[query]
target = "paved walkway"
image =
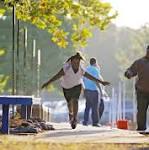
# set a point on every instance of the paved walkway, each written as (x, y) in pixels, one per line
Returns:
(87, 134)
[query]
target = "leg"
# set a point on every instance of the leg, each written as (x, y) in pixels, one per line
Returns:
(75, 94)
(75, 108)
(101, 108)
(69, 103)
(70, 109)
(86, 113)
(87, 108)
(72, 96)
(95, 111)
(5, 119)
(142, 106)
(75, 112)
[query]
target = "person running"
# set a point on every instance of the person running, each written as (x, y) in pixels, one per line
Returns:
(71, 74)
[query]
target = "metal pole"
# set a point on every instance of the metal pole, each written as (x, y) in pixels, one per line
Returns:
(13, 55)
(113, 107)
(33, 65)
(17, 59)
(24, 107)
(119, 106)
(38, 72)
(24, 63)
(124, 100)
(13, 50)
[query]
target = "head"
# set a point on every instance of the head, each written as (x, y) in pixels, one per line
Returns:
(92, 61)
(75, 60)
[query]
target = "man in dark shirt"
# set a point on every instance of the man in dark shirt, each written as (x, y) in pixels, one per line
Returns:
(140, 68)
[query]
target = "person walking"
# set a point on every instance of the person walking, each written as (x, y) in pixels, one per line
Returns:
(91, 93)
(71, 74)
(140, 68)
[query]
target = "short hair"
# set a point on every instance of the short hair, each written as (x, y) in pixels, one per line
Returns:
(92, 61)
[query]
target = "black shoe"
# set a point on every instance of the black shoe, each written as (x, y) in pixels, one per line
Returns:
(141, 131)
(96, 125)
(74, 124)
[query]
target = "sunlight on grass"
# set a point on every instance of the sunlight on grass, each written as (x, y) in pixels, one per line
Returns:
(7, 143)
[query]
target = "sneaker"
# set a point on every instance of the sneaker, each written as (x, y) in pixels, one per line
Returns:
(96, 125)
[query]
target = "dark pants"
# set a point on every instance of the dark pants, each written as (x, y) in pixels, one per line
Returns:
(72, 93)
(142, 105)
(101, 108)
(72, 96)
(91, 103)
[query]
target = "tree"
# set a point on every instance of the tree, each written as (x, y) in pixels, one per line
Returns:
(67, 22)
(50, 15)
(134, 49)
(137, 39)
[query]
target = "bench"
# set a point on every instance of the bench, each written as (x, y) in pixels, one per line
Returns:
(7, 100)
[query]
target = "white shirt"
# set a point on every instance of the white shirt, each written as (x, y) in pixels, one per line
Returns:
(70, 78)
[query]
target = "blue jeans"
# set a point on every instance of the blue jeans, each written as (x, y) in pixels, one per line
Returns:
(91, 104)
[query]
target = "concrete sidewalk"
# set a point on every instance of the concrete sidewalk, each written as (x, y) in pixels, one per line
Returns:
(87, 134)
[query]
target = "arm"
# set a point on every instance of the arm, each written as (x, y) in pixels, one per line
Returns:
(100, 77)
(100, 88)
(87, 75)
(57, 76)
(132, 71)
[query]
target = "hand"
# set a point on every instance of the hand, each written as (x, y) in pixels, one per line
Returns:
(105, 83)
(127, 74)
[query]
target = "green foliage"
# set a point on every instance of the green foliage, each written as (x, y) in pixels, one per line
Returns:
(51, 15)
(3, 78)
(3, 82)
(52, 57)
(67, 22)
(2, 52)
(79, 37)
(2, 11)
(115, 49)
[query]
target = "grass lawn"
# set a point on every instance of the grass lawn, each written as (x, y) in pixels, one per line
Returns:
(13, 144)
